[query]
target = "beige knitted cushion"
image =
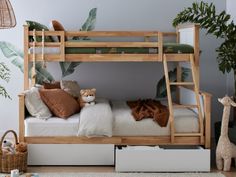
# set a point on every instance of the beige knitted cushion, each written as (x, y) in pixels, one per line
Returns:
(71, 87)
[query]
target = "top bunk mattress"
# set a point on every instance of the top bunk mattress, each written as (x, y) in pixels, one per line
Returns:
(167, 48)
(124, 124)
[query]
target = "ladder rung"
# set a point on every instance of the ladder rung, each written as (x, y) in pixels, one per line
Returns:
(187, 134)
(181, 83)
(185, 106)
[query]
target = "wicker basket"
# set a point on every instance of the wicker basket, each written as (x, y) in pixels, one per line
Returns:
(9, 162)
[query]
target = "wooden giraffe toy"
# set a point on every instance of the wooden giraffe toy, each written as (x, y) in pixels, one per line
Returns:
(225, 150)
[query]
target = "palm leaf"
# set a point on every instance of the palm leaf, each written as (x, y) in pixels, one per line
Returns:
(161, 91)
(68, 68)
(89, 24)
(42, 75)
(13, 54)
(16, 57)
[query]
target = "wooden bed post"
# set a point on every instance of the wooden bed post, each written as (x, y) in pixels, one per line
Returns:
(196, 52)
(26, 57)
(21, 117)
(207, 111)
(160, 45)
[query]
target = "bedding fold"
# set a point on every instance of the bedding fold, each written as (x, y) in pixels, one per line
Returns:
(96, 120)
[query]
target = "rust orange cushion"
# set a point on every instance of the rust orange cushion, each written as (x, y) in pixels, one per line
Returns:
(60, 103)
(57, 26)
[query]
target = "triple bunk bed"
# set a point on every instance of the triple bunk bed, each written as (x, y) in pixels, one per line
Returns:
(152, 48)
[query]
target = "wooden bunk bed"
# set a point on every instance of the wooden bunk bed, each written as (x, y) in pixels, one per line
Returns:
(184, 34)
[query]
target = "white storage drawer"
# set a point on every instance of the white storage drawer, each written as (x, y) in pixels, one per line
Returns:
(71, 154)
(155, 159)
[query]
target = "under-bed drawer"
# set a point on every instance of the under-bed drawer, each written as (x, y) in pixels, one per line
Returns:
(71, 154)
(153, 159)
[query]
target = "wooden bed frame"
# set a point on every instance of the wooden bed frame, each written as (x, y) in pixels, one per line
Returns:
(201, 138)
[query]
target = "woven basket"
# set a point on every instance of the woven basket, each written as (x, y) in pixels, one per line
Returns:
(10, 162)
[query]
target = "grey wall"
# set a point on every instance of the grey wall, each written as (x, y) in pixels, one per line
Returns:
(112, 80)
(231, 4)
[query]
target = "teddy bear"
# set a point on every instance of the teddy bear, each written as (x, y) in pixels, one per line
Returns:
(21, 147)
(87, 97)
(8, 147)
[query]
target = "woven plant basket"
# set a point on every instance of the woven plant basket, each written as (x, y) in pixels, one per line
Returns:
(10, 162)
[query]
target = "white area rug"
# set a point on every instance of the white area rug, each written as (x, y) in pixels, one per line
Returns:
(130, 175)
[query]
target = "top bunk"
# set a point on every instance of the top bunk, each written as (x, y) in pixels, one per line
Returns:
(111, 46)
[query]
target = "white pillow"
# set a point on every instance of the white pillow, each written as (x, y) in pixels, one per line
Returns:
(96, 120)
(35, 105)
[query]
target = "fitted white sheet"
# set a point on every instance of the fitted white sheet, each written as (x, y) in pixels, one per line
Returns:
(52, 127)
(124, 124)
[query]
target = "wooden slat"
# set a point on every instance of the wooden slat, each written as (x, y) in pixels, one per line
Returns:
(72, 140)
(117, 140)
(99, 57)
(190, 25)
(62, 47)
(111, 33)
(26, 59)
(196, 53)
(196, 90)
(181, 83)
(177, 57)
(170, 103)
(160, 48)
(188, 141)
(111, 44)
(169, 34)
(21, 116)
(207, 114)
(47, 33)
(179, 79)
(188, 134)
(184, 106)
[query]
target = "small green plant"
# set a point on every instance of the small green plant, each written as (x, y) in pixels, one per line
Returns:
(219, 25)
(4, 75)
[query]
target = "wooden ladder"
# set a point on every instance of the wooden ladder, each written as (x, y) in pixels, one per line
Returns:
(194, 83)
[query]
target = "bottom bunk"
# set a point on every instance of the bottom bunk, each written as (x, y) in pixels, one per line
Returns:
(124, 124)
(125, 130)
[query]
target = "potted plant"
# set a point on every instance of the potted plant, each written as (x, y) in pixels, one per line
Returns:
(4, 75)
(220, 26)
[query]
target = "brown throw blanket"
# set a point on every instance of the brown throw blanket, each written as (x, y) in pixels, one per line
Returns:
(149, 108)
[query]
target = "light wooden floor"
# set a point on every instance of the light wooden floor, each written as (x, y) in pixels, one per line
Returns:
(74, 169)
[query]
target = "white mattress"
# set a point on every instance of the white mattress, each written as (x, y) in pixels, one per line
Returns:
(124, 124)
(52, 127)
(186, 121)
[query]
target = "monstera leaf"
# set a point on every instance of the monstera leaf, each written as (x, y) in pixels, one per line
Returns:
(16, 57)
(13, 54)
(161, 91)
(68, 68)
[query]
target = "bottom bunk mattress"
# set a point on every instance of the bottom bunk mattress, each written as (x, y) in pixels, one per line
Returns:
(53, 126)
(124, 124)
(186, 121)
